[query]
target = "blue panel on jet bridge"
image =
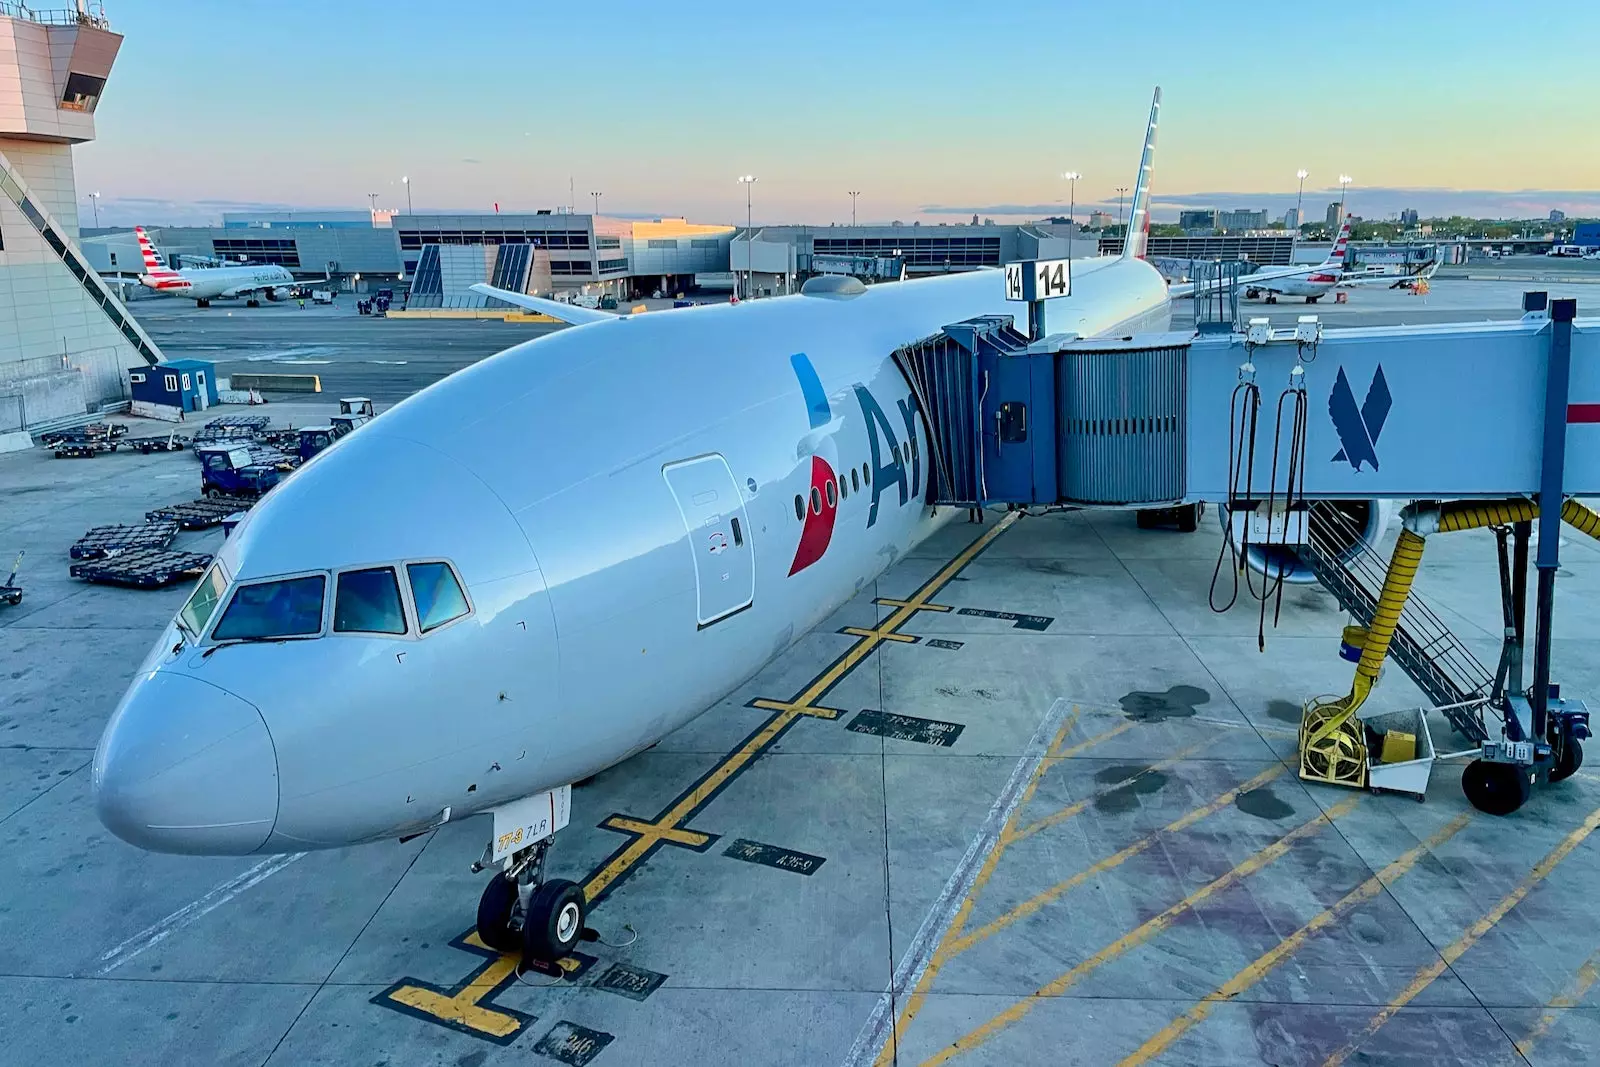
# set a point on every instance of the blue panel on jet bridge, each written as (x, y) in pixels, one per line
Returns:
(1452, 410)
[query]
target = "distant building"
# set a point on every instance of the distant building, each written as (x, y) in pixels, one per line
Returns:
(1240, 220)
(1408, 217)
(1335, 215)
(1099, 220)
(1557, 215)
(1291, 219)
(1197, 220)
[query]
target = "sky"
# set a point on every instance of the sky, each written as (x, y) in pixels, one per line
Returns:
(932, 110)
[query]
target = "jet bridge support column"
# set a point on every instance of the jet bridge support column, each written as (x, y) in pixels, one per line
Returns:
(1558, 375)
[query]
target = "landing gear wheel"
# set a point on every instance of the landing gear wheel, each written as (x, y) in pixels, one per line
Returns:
(495, 908)
(1496, 788)
(1569, 757)
(554, 921)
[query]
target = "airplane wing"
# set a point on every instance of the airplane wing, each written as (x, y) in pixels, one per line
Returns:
(569, 313)
(1257, 280)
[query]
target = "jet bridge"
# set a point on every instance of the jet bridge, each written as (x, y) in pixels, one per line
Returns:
(1286, 430)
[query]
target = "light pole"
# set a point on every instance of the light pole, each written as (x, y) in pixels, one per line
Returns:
(372, 201)
(853, 194)
(1299, 201)
(747, 180)
(1072, 176)
(597, 197)
(407, 183)
(94, 198)
(1121, 189)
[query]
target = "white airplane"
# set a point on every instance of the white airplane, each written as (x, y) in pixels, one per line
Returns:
(546, 563)
(205, 284)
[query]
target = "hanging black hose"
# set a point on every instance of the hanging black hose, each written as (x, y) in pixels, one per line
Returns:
(1244, 409)
(1294, 493)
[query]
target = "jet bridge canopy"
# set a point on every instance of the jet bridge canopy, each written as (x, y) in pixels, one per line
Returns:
(1411, 412)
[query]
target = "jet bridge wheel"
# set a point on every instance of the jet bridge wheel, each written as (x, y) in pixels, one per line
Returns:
(554, 922)
(1569, 757)
(1496, 788)
(495, 908)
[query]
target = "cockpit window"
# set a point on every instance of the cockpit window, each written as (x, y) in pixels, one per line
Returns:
(289, 607)
(368, 601)
(203, 602)
(437, 594)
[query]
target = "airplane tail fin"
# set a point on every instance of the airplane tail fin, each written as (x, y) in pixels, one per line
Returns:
(1336, 258)
(1138, 234)
(153, 263)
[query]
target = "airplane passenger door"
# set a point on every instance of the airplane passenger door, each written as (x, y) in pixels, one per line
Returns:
(719, 534)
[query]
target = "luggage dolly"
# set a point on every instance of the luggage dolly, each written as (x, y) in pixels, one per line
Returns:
(11, 592)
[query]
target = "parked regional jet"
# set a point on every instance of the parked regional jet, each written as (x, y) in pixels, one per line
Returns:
(205, 284)
(544, 564)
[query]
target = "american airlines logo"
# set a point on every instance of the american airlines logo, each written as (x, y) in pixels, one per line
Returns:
(1358, 428)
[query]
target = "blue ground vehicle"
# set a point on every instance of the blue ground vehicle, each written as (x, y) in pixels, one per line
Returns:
(228, 471)
(314, 439)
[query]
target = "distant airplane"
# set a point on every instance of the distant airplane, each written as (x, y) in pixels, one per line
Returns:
(205, 284)
(545, 563)
(1313, 282)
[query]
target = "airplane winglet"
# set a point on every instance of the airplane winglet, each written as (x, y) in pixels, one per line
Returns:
(568, 313)
(1138, 234)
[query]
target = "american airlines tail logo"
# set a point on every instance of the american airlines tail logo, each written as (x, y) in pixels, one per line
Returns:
(1358, 428)
(892, 468)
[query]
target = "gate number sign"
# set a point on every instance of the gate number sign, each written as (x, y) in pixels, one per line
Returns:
(1038, 279)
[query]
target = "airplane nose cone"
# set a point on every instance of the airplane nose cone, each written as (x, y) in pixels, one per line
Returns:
(185, 766)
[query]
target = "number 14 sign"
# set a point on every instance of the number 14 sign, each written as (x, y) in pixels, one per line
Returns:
(1038, 279)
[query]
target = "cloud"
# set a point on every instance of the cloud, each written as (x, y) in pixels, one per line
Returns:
(469, 159)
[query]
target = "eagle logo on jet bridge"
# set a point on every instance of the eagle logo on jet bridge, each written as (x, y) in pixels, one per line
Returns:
(822, 498)
(1358, 429)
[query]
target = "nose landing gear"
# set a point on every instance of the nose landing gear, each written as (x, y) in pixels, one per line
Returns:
(520, 911)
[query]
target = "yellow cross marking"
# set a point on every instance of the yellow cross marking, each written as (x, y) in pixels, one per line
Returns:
(687, 838)
(798, 709)
(890, 602)
(856, 631)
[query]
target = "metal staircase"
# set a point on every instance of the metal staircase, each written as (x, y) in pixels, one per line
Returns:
(1424, 647)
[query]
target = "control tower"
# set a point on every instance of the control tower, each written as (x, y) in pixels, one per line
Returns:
(65, 336)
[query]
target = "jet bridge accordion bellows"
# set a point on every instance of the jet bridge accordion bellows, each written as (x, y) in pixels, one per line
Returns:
(1096, 422)
(1121, 414)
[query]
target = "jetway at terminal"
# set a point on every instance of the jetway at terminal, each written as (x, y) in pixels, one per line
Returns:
(1308, 439)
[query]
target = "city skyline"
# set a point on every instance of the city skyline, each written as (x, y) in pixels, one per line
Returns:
(952, 112)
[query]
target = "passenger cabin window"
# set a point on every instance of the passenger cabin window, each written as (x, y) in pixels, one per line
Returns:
(368, 601)
(203, 602)
(290, 607)
(437, 594)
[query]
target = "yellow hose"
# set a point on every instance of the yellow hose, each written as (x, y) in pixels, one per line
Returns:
(1385, 620)
(1581, 518)
(1474, 515)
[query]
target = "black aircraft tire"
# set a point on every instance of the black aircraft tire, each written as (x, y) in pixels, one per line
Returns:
(554, 921)
(499, 900)
(1496, 788)
(1569, 757)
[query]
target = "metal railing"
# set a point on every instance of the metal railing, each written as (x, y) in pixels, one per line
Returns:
(1423, 646)
(83, 15)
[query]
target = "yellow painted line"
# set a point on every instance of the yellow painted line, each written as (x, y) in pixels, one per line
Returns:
(635, 826)
(1569, 998)
(1076, 808)
(887, 1054)
(799, 709)
(1083, 746)
(1454, 951)
(1142, 933)
(463, 1008)
(954, 942)
(1264, 963)
(1116, 859)
(754, 745)
(890, 602)
(856, 631)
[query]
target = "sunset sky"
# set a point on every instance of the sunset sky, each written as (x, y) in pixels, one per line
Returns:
(933, 110)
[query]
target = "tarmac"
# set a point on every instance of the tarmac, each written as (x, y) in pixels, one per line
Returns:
(1058, 820)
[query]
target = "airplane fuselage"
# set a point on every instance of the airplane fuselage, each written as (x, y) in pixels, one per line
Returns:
(643, 513)
(210, 283)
